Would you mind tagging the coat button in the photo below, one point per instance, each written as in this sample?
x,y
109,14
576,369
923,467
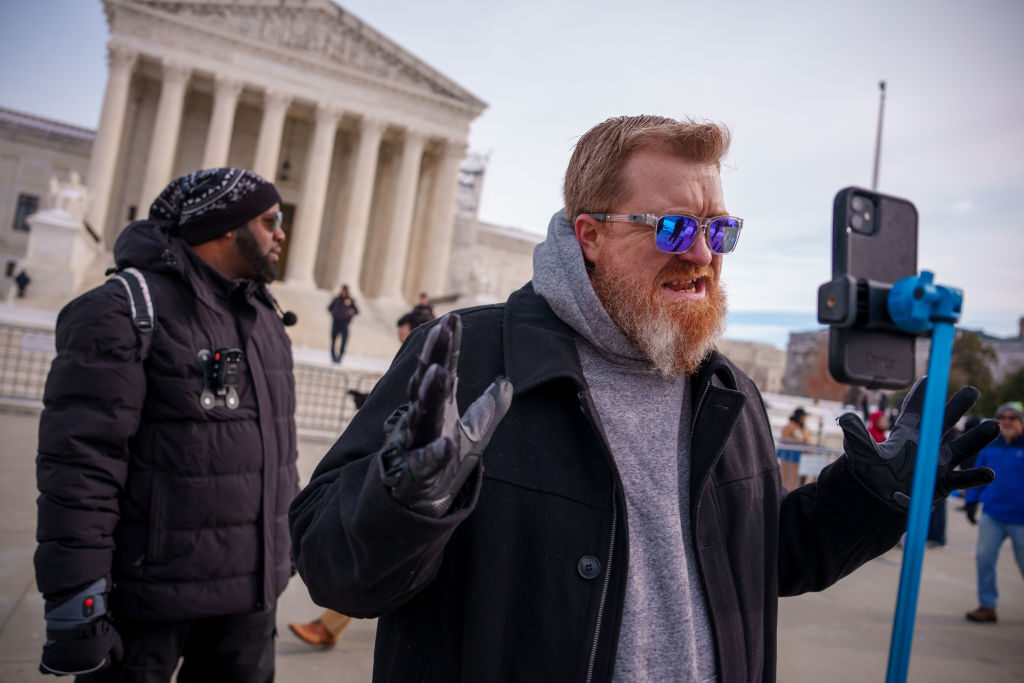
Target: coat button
x,y
588,567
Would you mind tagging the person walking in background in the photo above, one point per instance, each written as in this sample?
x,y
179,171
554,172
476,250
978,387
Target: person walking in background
x,y
423,310
936,537
406,324
343,309
1002,507
796,430
22,280
970,423
323,631
167,448
878,425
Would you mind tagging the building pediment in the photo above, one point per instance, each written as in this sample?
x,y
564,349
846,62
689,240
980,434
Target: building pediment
x,y
318,28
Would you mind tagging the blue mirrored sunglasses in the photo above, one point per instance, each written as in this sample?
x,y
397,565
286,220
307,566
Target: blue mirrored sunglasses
x,y
676,233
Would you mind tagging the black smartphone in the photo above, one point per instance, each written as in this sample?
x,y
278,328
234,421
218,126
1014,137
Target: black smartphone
x,y
874,244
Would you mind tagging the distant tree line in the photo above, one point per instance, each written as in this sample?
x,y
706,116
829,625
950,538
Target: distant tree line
x,y
972,364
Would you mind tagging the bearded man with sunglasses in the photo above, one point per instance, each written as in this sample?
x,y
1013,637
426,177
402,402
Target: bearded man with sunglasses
x,y
608,506
167,452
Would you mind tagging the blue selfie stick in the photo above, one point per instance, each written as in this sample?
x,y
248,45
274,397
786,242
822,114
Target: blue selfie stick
x,y
917,305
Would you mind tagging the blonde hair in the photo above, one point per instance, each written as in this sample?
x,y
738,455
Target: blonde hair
x,y
593,179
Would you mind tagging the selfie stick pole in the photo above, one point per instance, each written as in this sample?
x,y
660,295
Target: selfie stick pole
x,y
916,305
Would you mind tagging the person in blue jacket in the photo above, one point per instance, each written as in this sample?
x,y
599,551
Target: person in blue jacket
x,y
1002,503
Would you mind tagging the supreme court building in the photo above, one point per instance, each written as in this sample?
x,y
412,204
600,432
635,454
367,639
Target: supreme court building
x,y
363,140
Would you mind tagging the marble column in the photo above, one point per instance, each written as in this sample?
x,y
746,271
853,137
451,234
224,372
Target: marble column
x,y
164,142
357,216
107,143
222,121
309,214
439,245
393,267
268,145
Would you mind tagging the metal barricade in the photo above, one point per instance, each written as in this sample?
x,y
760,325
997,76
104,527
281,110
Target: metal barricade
x,y
25,357
322,403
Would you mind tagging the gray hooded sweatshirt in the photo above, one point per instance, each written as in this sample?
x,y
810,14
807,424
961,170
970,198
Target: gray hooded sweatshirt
x,y
665,633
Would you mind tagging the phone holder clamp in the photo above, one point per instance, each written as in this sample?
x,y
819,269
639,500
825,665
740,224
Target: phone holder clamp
x,y
916,305
856,302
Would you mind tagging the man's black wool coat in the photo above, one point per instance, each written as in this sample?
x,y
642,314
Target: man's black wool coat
x,y
526,580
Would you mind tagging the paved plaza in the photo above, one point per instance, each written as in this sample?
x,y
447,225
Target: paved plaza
x,y
840,635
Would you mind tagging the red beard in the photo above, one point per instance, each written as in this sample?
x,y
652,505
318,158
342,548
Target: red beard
x,y
675,336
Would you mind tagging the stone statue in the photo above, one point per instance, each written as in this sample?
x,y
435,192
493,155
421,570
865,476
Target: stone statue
x,y
71,197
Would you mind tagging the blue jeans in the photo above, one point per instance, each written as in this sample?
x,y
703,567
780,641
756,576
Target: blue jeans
x,y
991,534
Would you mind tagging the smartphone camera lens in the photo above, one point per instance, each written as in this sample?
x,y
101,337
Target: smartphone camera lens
x,y
860,215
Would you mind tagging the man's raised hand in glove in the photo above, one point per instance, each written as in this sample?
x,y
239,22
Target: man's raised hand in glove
x,y
887,468
79,636
429,451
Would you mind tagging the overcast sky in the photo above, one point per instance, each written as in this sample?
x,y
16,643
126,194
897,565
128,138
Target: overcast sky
x,y
797,83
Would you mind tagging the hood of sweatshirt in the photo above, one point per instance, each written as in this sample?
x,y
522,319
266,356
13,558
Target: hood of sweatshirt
x,y
560,277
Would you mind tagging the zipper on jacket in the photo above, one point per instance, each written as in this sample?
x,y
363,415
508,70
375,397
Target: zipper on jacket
x,y
696,413
581,396
604,592
693,527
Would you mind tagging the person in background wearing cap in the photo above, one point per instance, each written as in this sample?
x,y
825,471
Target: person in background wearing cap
x,y
1002,512
795,430
165,472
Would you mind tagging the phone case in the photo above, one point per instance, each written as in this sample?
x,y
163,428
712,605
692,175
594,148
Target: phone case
x,y
884,253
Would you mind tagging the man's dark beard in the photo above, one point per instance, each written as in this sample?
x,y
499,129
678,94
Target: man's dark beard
x,y
674,336
263,269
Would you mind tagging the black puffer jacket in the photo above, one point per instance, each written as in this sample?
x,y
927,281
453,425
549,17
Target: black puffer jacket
x,y
185,507
526,582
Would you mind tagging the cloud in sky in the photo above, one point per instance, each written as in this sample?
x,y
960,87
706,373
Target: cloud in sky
x,y
797,82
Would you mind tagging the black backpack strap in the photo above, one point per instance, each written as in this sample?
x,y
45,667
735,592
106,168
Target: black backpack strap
x,y
141,304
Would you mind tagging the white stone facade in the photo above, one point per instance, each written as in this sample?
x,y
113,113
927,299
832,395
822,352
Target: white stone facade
x,y
362,139
364,142
33,151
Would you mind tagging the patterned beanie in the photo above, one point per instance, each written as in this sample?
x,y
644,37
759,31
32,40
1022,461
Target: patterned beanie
x,y
206,204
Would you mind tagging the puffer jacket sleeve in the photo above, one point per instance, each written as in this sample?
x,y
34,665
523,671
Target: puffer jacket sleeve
x,y
358,550
93,402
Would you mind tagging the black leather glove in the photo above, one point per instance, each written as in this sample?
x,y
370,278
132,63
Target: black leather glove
x,y
887,469
79,636
972,512
429,451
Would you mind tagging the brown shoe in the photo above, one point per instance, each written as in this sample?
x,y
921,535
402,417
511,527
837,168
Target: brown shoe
x,y
982,615
314,633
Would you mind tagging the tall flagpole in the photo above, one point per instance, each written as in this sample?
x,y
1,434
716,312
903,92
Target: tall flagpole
x,y
878,135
